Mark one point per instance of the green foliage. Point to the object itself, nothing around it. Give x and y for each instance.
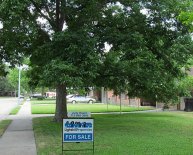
(190, 63)
(186, 15)
(13, 79)
(3, 69)
(147, 58)
(186, 86)
(147, 51)
(40, 98)
(5, 85)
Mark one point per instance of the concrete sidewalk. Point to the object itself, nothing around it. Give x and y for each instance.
(6, 105)
(19, 139)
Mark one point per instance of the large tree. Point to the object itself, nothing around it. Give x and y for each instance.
(149, 49)
(66, 40)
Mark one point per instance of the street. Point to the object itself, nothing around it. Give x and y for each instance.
(6, 105)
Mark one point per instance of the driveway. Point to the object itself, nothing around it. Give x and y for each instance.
(6, 105)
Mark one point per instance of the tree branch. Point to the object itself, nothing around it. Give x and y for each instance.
(57, 15)
(37, 7)
(48, 11)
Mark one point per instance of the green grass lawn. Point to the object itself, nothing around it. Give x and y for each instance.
(50, 108)
(15, 110)
(3, 126)
(127, 134)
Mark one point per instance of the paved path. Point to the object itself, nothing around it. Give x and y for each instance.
(6, 105)
(18, 139)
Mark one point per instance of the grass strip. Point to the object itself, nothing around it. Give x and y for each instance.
(3, 126)
(126, 134)
(97, 108)
(15, 110)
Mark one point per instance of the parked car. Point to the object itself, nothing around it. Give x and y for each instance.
(77, 98)
(21, 96)
(36, 96)
(69, 96)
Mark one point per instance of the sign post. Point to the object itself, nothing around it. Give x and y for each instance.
(78, 130)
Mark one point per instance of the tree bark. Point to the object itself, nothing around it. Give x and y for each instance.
(61, 103)
(58, 15)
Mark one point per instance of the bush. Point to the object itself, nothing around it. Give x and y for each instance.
(166, 106)
(40, 98)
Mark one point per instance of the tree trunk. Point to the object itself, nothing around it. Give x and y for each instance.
(61, 103)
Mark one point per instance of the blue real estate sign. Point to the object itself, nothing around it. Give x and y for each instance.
(78, 130)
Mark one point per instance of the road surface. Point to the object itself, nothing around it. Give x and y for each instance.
(6, 105)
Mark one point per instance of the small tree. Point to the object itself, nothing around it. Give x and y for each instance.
(5, 86)
(13, 79)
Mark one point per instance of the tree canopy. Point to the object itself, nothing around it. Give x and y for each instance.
(66, 40)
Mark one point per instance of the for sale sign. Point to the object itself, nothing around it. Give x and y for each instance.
(78, 130)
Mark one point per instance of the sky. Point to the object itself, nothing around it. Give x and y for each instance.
(1, 25)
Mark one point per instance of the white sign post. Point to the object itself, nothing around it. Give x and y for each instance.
(79, 114)
(78, 130)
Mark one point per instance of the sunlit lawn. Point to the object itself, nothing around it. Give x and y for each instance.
(50, 108)
(126, 134)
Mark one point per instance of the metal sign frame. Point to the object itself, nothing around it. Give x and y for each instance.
(67, 150)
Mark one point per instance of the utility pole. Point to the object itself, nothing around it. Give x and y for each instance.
(19, 81)
(120, 95)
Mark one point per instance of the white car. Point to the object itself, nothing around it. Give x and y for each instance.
(69, 96)
(77, 98)
(21, 97)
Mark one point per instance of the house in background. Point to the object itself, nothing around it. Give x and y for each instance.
(8, 93)
(107, 96)
(50, 94)
(182, 102)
